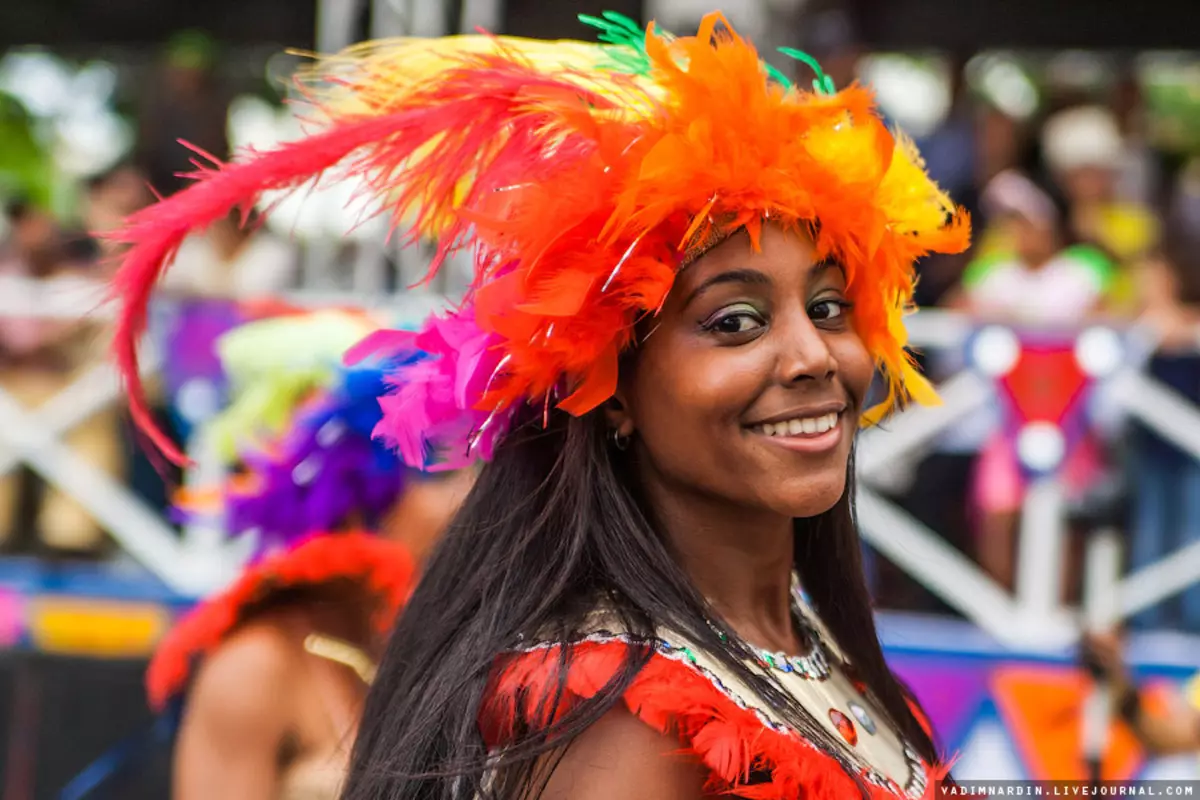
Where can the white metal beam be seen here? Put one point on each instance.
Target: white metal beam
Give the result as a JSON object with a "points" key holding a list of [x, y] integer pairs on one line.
{"points": [[918, 426], [1156, 582], [949, 574], [1160, 408], [1040, 555], [141, 532]]}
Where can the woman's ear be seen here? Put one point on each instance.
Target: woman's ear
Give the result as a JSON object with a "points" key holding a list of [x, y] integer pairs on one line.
{"points": [[617, 413]]}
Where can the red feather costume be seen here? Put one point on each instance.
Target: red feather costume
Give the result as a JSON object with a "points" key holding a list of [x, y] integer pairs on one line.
{"points": [[384, 569]]}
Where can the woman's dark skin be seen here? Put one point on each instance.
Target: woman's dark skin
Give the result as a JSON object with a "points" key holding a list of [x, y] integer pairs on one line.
{"points": [[745, 337]]}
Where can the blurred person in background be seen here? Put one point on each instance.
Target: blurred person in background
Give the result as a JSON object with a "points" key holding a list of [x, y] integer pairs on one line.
{"points": [[1032, 278], [1140, 172], [1165, 512], [234, 259], [185, 102], [1184, 205], [1002, 144], [1084, 154], [953, 159], [1176, 732], [1034, 283], [830, 37], [952, 150], [109, 197], [39, 358], [272, 672]]}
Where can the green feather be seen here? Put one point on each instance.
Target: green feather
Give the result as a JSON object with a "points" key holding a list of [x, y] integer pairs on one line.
{"points": [[777, 76], [627, 51], [623, 21], [822, 84]]}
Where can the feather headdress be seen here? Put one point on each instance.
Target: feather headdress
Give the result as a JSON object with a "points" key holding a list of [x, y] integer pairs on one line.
{"points": [[583, 176], [275, 365], [317, 468]]}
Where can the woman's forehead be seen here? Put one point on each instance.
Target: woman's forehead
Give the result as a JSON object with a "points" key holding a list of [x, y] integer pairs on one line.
{"points": [[779, 249]]}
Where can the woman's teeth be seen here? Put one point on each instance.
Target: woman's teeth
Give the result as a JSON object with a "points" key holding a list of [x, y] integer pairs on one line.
{"points": [[799, 426]]}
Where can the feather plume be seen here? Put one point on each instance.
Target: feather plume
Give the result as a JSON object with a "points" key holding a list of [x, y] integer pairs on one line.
{"points": [[583, 176]]}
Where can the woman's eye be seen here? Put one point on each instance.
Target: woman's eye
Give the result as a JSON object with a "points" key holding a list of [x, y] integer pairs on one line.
{"points": [[742, 320], [825, 310]]}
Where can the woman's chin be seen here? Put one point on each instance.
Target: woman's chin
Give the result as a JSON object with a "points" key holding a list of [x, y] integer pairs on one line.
{"points": [[816, 496]]}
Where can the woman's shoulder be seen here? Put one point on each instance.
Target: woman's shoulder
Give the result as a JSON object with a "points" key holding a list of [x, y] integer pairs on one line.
{"points": [[262, 648], [620, 756], [678, 694], [248, 679]]}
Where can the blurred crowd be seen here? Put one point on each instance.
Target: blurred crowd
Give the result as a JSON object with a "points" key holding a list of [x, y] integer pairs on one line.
{"points": [[1078, 218], [44, 257]]}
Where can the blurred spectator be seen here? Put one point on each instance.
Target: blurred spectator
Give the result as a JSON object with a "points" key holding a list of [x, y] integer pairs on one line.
{"points": [[1033, 283], [1084, 153], [39, 358], [185, 103], [952, 150], [232, 260], [1162, 734], [33, 241], [1139, 176], [1184, 206], [1000, 144], [829, 37], [1031, 279], [109, 198], [952, 158], [1165, 481]]}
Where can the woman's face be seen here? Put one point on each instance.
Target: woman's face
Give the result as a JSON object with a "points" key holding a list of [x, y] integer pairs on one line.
{"points": [[748, 386]]}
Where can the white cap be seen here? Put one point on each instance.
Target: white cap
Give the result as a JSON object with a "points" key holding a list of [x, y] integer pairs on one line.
{"points": [[1087, 136], [1010, 192]]}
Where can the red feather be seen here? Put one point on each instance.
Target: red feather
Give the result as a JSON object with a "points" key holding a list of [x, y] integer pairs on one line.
{"points": [[680, 702], [156, 234], [480, 132], [382, 567]]}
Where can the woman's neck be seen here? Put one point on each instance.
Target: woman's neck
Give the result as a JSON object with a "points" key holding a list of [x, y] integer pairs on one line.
{"points": [[741, 560]]}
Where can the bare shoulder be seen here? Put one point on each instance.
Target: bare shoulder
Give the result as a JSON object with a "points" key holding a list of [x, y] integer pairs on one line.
{"points": [[621, 756], [237, 716], [246, 682]]}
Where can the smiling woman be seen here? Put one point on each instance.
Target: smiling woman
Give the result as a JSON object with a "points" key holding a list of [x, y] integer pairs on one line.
{"points": [[687, 273], [750, 388]]}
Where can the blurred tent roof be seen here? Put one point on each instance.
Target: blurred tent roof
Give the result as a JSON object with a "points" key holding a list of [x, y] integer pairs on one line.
{"points": [[87, 23], [1034, 24], [882, 24]]}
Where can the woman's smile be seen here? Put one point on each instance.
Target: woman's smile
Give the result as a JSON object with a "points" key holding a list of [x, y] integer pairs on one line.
{"points": [[813, 430]]}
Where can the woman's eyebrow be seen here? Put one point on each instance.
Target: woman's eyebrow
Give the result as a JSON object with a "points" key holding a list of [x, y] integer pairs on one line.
{"points": [[750, 276], [819, 268]]}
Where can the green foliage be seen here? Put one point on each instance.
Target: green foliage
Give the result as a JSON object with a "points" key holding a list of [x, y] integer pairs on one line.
{"points": [[26, 169]]}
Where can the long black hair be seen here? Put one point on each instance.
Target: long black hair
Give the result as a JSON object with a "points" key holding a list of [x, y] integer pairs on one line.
{"points": [[553, 523]]}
